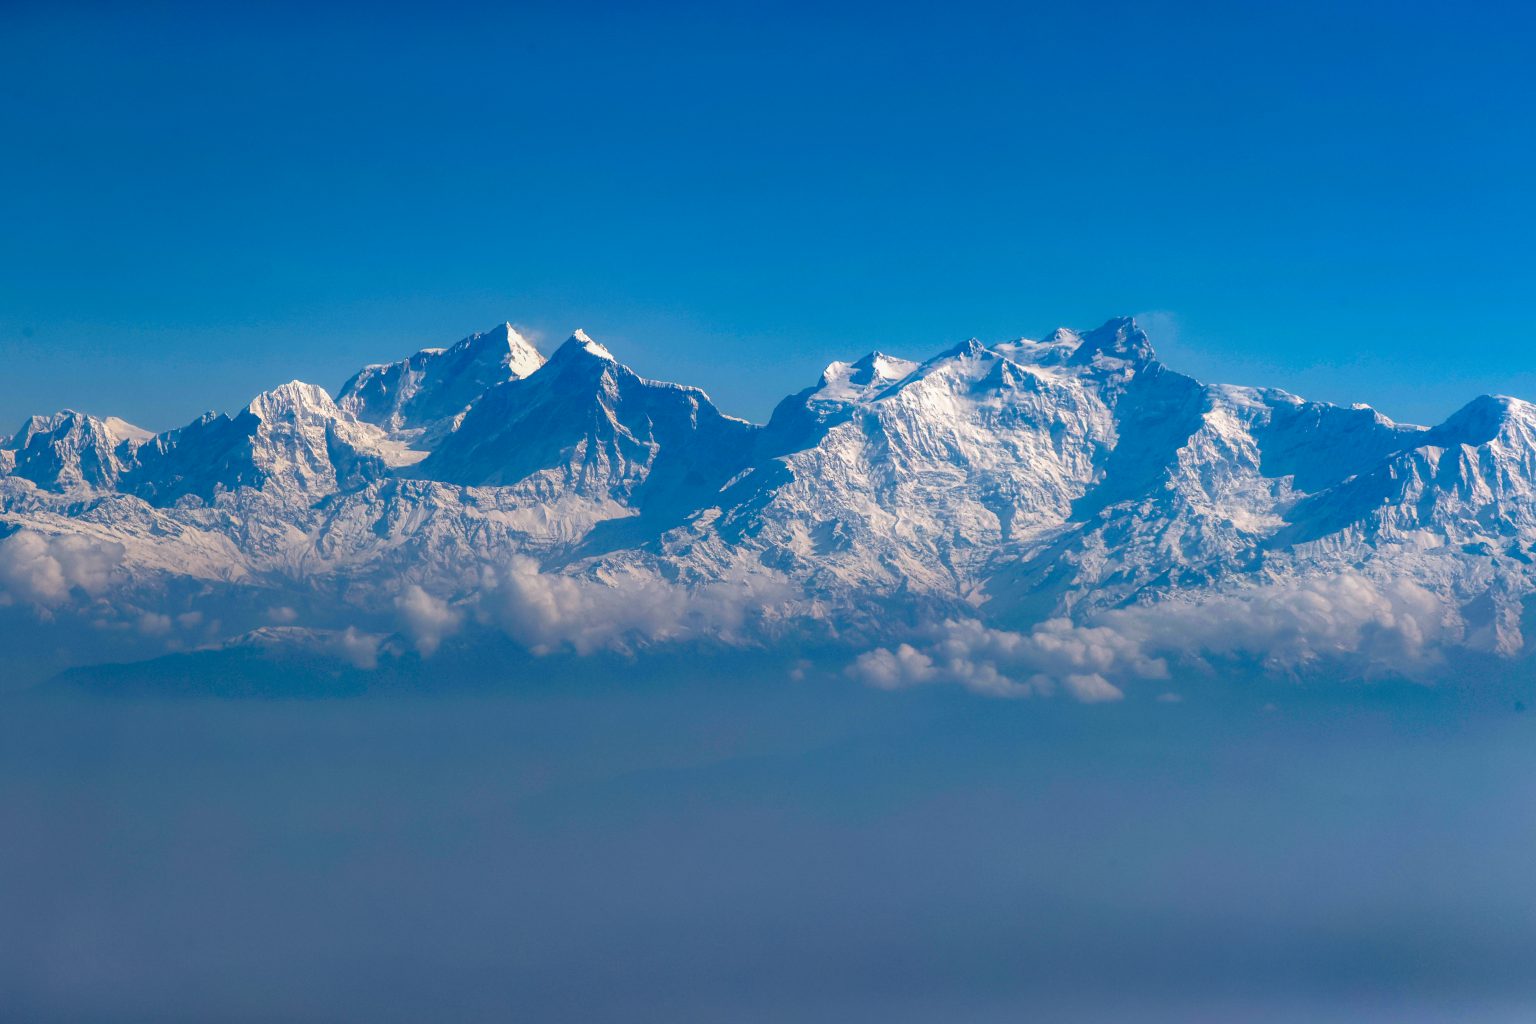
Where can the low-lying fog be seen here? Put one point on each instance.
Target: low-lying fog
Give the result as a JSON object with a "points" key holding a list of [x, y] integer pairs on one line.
{"points": [[712, 841]]}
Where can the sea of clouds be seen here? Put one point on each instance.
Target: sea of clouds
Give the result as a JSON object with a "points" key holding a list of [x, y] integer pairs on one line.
{"points": [[1367, 627]]}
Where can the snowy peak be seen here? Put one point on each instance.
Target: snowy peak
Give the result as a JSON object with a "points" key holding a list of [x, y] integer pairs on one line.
{"points": [[125, 431], [499, 349], [575, 366], [967, 364], [1055, 350], [583, 341], [294, 400], [1483, 420], [292, 442], [70, 449], [423, 393], [1119, 340], [928, 398], [588, 425], [971, 348], [879, 367], [852, 382], [802, 419], [68, 422], [304, 445], [520, 356]]}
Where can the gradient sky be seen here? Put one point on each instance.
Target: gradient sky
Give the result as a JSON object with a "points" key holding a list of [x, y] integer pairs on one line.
{"points": [[199, 202]]}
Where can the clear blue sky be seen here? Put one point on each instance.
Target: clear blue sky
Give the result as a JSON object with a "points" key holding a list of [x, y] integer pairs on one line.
{"points": [[199, 202]]}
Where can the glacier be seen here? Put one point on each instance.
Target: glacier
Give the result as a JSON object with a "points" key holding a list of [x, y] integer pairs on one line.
{"points": [[1064, 514]]}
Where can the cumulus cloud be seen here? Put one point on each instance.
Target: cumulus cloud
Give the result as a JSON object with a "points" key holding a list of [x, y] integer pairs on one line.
{"points": [[896, 670], [1092, 688], [427, 619], [1002, 663], [44, 571], [548, 611], [1377, 628], [359, 649]]}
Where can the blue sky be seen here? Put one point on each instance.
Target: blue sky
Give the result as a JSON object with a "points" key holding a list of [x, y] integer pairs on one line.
{"points": [[196, 204]]}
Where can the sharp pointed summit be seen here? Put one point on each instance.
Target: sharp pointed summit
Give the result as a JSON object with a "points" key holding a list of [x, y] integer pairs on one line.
{"points": [[424, 393], [581, 342]]}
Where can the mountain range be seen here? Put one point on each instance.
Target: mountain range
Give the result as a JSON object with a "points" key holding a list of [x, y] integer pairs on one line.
{"points": [[1017, 517]]}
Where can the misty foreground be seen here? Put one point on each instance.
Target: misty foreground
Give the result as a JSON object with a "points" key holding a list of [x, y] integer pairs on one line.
{"points": [[704, 840]]}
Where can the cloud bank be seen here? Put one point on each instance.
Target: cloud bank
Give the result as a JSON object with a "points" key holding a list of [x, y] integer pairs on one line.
{"points": [[1368, 627], [1376, 628], [546, 612]]}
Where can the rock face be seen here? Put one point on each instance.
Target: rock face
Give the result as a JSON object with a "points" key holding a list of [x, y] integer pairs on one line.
{"points": [[70, 449], [427, 392], [588, 426], [292, 441], [1016, 483]]}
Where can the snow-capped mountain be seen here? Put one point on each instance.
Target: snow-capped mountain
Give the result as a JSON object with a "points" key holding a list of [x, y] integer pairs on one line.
{"points": [[70, 449], [427, 393], [586, 424], [292, 440], [1043, 492]]}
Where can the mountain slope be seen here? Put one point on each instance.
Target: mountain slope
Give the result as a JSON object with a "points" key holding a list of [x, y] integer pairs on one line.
{"points": [[589, 425], [292, 440], [425, 392], [70, 449], [1074, 479]]}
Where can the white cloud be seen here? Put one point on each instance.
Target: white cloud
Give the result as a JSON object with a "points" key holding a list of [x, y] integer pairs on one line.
{"points": [[896, 670], [427, 619], [1377, 628], [549, 611], [1368, 627], [359, 649], [1002, 663], [1380, 627], [43, 571], [1092, 688]]}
